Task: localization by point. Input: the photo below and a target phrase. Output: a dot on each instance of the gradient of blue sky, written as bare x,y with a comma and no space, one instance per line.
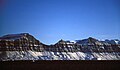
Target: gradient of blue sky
51,20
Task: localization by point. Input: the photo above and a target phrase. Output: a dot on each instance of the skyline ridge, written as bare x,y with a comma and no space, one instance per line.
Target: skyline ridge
10,36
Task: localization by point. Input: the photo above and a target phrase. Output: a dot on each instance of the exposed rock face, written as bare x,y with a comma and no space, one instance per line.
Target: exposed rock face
89,41
99,46
17,42
25,47
17,47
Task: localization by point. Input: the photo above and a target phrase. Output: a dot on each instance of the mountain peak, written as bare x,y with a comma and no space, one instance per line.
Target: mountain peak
61,41
91,38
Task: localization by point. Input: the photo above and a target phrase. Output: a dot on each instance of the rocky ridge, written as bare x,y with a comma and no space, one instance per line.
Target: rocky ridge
24,46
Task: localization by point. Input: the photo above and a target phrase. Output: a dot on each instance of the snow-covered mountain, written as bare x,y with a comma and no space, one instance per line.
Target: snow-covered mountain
114,42
24,46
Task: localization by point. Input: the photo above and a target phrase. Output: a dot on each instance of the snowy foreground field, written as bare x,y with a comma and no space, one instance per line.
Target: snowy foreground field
32,55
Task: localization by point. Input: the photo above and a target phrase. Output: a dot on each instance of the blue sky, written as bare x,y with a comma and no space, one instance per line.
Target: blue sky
52,20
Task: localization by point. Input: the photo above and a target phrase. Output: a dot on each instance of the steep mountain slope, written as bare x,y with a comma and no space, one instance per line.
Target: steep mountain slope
17,47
